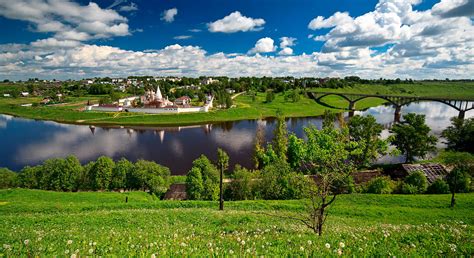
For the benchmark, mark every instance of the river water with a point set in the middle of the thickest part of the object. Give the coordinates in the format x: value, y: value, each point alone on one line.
x: 29, y: 142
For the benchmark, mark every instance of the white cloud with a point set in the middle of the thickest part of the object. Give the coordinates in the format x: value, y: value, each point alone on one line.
x: 263, y: 45
x: 67, y: 20
x: 54, y: 43
x: 286, y: 51
x: 169, y: 15
x: 183, y: 37
x: 195, y: 30
x: 129, y: 8
x: 287, y: 42
x: 235, y: 22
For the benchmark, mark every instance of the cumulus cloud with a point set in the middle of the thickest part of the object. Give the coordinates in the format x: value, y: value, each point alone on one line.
x: 235, y: 22
x: 263, y: 45
x: 411, y: 41
x: 286, y: 51
x: 287, y: 42
x: 169, y: 15
x: 67, y: 20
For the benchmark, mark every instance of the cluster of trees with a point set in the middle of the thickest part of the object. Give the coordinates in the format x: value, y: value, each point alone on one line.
x: 67, y: 174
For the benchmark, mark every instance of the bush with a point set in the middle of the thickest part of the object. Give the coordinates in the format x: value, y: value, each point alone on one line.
x: 345, y: 185
x: 418, y: 180
x: 380, y: 185
x: 243, y: 185
x: 278, y: 182
x: 409, y: 189
x: 8, y: 178
x: 439, y: 186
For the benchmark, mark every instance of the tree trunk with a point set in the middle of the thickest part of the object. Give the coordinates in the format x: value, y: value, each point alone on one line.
x: 320, y: 220
x: 221, y: 191
x: 453, y: 199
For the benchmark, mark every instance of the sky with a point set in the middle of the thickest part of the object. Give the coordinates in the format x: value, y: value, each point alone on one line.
x: 66, y: 39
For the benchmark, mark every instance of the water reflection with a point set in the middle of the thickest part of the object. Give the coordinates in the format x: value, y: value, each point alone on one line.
x: 29, y: 142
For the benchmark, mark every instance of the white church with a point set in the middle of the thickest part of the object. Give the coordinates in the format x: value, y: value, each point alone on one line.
x: 154, y: 103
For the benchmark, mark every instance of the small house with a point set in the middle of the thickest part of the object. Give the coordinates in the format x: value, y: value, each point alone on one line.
x: 183, y: 101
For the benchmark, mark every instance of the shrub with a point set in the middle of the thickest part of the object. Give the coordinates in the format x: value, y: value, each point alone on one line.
x: 439, y: 186
x: 278, y: 182
x: 418, y: 180
x: 8, y: 178
x: 379, y: 185
x: 243, y: 185
x: 345, y: 185
x: 409, y: 189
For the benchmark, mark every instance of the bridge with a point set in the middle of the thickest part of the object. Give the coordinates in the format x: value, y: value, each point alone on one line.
x: 461, y: 105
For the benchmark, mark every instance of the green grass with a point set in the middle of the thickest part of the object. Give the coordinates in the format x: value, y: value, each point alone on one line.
x: 245, y: 107
x: 103, y: 224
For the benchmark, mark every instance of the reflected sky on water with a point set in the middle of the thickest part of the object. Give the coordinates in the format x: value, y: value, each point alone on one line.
x: 30, y: 142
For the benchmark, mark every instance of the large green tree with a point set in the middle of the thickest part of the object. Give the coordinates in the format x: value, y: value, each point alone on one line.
x: 460, y: 135
x: 8, y: 178
x: 202, y: 182
x: 366, y: 132
x: 119, y: 174
x: 412, y: 137
x: 100, y: 174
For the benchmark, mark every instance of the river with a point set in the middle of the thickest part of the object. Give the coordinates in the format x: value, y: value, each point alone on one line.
x: 29, y: 142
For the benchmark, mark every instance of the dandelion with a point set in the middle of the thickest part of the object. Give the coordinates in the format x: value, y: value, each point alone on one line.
x: 69, y: 242
x: 341, y: 244
x: 91, y: 250
x: 327, y: 245
x: 27, y: 241
x: 153, y: 256
x: 94, y: 243
x: 231, y: 251
x: 339, y: 251
x: 73, y: 255
x: 413, y: 245
x: 310, y: 242
x: 301, y: 248
x: 243, y: 242
x: 66, y: 252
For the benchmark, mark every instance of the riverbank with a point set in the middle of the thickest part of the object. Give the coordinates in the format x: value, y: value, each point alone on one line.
x: 34, y: 222
x: 245, y: 106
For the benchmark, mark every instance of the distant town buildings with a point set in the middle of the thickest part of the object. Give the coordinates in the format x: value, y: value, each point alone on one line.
x: 208, y: 80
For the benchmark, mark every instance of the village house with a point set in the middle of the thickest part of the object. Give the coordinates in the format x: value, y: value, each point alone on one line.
x: 183, y: 101
x: 207, y: 81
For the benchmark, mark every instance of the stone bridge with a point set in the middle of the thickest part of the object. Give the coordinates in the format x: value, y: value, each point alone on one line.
x: 461, y: 105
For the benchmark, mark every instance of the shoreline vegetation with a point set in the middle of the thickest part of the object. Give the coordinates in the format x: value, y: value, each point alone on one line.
x: 245, y: 106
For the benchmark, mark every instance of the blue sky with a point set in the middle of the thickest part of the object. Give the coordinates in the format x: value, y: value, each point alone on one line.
x: 384, y: 38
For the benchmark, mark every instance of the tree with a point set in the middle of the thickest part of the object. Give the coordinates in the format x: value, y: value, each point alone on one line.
x: 222, y: 164
x: 8, y: 178
x: 119, y: 174
x: 326, y: 157
x: 462, y: 164
x: 460, y: 135
x: 242, y: 187
x: 280, y: 137
x: 270, y: 96
x: 278, y: 182
x: 228, y: 101
x: 153, y: 177
x: 29, y: 177
x: 412, y: 137
x: 204, y: 173
x: 417, y: 181
x: 366, y: 132
x: 60, y: 174
x: 100, y: 173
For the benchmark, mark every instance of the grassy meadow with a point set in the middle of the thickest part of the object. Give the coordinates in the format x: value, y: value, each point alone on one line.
x: 34, y: 223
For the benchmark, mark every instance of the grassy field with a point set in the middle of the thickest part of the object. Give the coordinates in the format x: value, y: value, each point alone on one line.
x: 44, y: 223
x: 245, y: 107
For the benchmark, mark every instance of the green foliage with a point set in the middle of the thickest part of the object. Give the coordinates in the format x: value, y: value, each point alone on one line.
x: 460, y: 135
x: 8, y: 178
x: 119, y: 174
x: 409, y: 189
x: 280, y: 138
x: 152, y: 176
x: 270, y: 96
x: 202, y: 182
x: 366, y: 132
x: 439, y: 186
x: 295, y: 151
x: 380, y: 185
x: 60, y: 174
x: 416, y: 179
x: 459, y: 180
x: 292, y: 96
x: 278, y: 182
x: 100, y: 174
x: 412, y: 137
x: 243, y: 185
